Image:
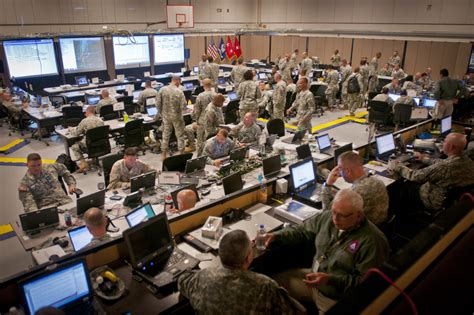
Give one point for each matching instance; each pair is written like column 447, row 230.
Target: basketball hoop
column 180, row 16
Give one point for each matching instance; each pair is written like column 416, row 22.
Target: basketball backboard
column 180, row 16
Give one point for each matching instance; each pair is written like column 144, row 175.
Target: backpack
column 66, row 160
column 353, row 85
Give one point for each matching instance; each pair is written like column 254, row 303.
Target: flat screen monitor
column 82, row 54
column 238, row 154
column 324, row 142
column 146, row 180
column 30, row 57
column 340, row 150
column 196, row 69
column 194, row 165
column 131, row 52
column 80, row 237
column 188, row 85
column 446, row 123
column 62, row 287
column 394, row 97
column 221, row 81
column 140, row 214
column 262, row 76
column 232, row 183
column 385, row 144
column 81, row 80
column 271, row 165
column 430, row 103
column 169, row 48
column 92, row 99
column 302, row 174
column 96, row 200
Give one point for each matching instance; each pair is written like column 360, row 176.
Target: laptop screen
column 195, row 165
column 385, row 144
column 232, row 96
column 303, row 151
column 417, row 100
column 221, row 81
column 40, row 219
column 138, row 215
column 302, row 173
column 196, row 69
column 60, row 288
column 81, row 80
column 146, row 180
column 80, row 237
column 324, row 142
column 262, row 76
column 271, row 165
column 429, row 103
column 232, row 183
column 96, row 199
column 93, row 99
column 238, row 154
column 189, row 85
column 394, row 97
column 151, row 111
column 446, row 125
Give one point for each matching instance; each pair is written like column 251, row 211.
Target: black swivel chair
column 198, row 90
column 107, row 112
column 402, row 114
column 176, row 163
column 72, row 115
column 320, row 95
column 187, row 94
column 231, row 112
column 133, row 134
column 107, row 162
column 97, row 143
column 58, row 100
column 276, row 126
column 379, row 112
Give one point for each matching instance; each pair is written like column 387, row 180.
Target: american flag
column 212, row 50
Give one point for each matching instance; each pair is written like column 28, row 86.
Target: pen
column 279, row 201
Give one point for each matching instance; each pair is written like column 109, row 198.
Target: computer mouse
column 53, row 257
column 61, row 242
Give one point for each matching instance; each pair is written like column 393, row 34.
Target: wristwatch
column 326, row 185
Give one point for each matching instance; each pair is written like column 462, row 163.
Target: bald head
column 96, row 222
column 105, row 93
column 206, row 83
column 350, row 166
column 249, row 119
column 186, row 199
column 454, row 144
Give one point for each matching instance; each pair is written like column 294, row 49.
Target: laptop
column 239, row 154
column 340, row 150
column 81, row 80
column 92, row 99
column 269, row 141
column 303, row 182
column 232, row 96
column 324, row 144
column 80, row 237
column 232, row 183
column 430, row 103
column 35, row 221
column 446, row 126
column 394, row 97
column 140, row 214
column 188, row 85
column 303, row 151
column 272, row 167
column 136, row 94
column 153, row 254
column 385, row 146
column 297, row 137
column 196, row 69
column 262, row 76
column 221, row 81
column 417, row 100
column 67, row 287
column 174, row 194
column 146, row 180
column 151, row 111
column 196, row 166
column 96, row 200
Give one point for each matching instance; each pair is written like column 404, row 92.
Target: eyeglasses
column 342, row 216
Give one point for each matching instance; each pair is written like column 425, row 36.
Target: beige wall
column 255, row 46
column 282, row 45
column 196, row 46
column 369, row 47
column 323, row 47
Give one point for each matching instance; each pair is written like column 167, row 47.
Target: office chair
column 187, row 94
column 372, row 95
column 133, row 134
column 19, row 123
column 107, row 162
column 231, row 115
column 97, row 143
column 402, row 114
column 320, row 95
column 107, row 112
column 176, row 163
column 276, row 126
column 290, row 98
column 188, row 120
column 72, row 115
column 198, row 90
column 58, row 100
column 379, row 112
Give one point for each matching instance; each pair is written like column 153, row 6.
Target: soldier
column 306, row 63
column 271, row 79
column 213, row 71
column 304, row 105
column 40, row 186
column 385, row 71
column 237, row 73
column 186, row 199
column 210, row 121
column 285, row 67
column 248, row 93
column 383, row 97
column 394, row 60
column 335, row 59
column 347, row 245
column 398, row 72
column 410, row 85
column 293, row 61
column 393, row 87
column 279, row 98
column 171, row 103
column 427, row 187
column 346, row 71
column 364, row 72
column 418, row 80
column 91, row 121
column 332, row 79
column 106, row 100
column 123, row 170
column 13, row 108
column 247, row 132
column 218, row 147
column 446, row 91
column 96, row 222
column 203, row 65
column 264, row 102
column 404, row 99
column 202, row 100
column 354, row 90
column 374, row 69
column 290, row 85
column 146, row 93
column 209, row 292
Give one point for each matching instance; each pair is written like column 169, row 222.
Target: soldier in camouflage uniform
column 213, row 71
column 428, row 186
column 231, row 288
column 91, row 121
column 336, row 58
column 371, row 189
column 332, row 80
column 364, row 72
column 146, row 93
column 374, row 69
column 393, row 87
column 404, row 99
column 394, row 60
column 306, row 63
column 383, row 97
column 284, row 65
column 203, row 71
column 248, row 93
column 304, row 105
column 218, row 147
column 346, row 244
column 106, row 100
column 346, row 71
column 96, row 222
column 237, row 73
column 385, row 71
column 398, row 73
column 410, row 85
column 355, row 99
column 123, row 170
column 209, row 121
column 247, row 132
column 293, row 61
column 171, row 103
column 265, row 100
column 290, row 86
column 279, row 98
column 40, row 186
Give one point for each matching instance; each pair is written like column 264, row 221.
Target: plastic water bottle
column 261, row 237
column 67, row 218
column 125, row 117
column 262, row 193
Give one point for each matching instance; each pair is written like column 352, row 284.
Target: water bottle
column 125, row 117
column 67, row 219
column 260, row 242
column 262, row 193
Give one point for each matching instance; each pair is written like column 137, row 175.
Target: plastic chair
column 276, row 126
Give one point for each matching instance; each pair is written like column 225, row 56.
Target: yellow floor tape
column 21, row 160
column 11, row 144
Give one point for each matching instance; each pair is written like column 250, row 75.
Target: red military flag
column 237, row 49
column 229, row 49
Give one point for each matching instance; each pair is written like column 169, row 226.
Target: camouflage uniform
column 392, row 89
column 237, row 75
column 305, row 106
column 405, row 99
column 393, row 61
column 36, row 192
column 14, row 109
column 293, row 62
column 408, row 85
column 104, row 101
column 247, row 135
column 248, row 93
column 215, row 150
column 385, row 72
column 120, row 175
column 332, row 80
column 171, row 104
column 208, row 124
column 355, row 99
column 213, row 72
column 203, row 71
column 335, row 60
column 374, row 68
column 372, row 191
column 345, row 73
column 221, row 290
column 306, row 64
column 364, row 72
column 291, row 88
column 284, row 67
column 279, row 100
column 98, row 239
column 398, row 74
column 264, row 102
column 383, row 98
column 85, row 125
column 146, row 93
column 439, row 177
column 202, row 101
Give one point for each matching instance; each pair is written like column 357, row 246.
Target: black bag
column 66, row 160
column 353, row 85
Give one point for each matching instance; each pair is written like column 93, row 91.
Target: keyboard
column 176, row 257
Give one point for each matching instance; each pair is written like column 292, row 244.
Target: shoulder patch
column 353, row 246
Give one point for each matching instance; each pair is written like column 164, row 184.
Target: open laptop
column 188, row 85
column 446, row 126
column 385, row 146
column 269, row 141
column 196, row 69
column 340, row 150
column 394, row 97
column 153, row 254
column 297, row 137
column 80, row 237
column 303, row 182
column 238, row 154
column 262, row 76
column 272, row 167
column 221, row 81
column 303, row 151
column 67, row 287
column 151, row 111
column 232, row 183
column 96, row 200
column 429, row 103
column 232, row 96
column 174, row 194
column 81, row 80
column 146, row 180
column 324, row 144
column 140, row 214
column 195, row 167
column 35, row 221
column 92, row 99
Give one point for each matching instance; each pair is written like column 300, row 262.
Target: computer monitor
column 151, row 111
column 81, row 80
column 340, row 150
column 92, row 99
column 196, row 69
column 262, row 76
column 232, row 183
column 35, row 221
column 417, row 100
column 188, row 85
column 302, row 174
column 238, row 154
column 195, row 165
column 385, row 144
column 64, row 287
column 221, row 81
column 446, row 125
column 303, row 151
column 146, row 180
column 232, row 96
column 80, row 237
column 324, row 142
column 140, row 214
column 271, row 165
column 174, row 194
column 430, row 103
column 96, row 200
column 394, row 97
